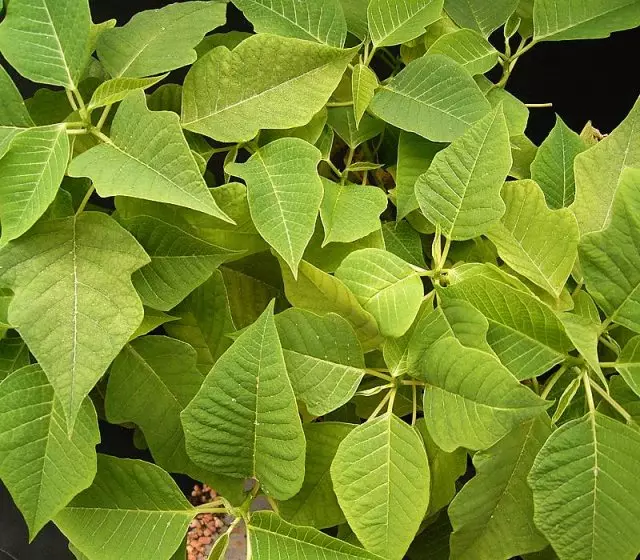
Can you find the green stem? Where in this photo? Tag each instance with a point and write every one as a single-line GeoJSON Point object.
{"type": "Point", "coordinates": [538, 105]}
{"type": "Point", "coordinates": [345, 173]}
{"type": "Point", "coordinates": [340, 103]}
{"type": "Point", "coordinates": [72, 101]}
{"type": "Point", "coordinates": [82, 109]}
{"type": "Point", "coordinates": [609, 345]}
{"type": "Point", "coordinates": [334, 168]}
{"type": "Point", "coordinates": [77, 131]}
{"type": "Point", "coordinates": [392, 399]}
{"type": "Point", "coordinates": [378, 374]}
{"type": "Point", "coordinates": [370, 57]}
{"type": "Point", "coordinates": [414, 409]}
{"type": "Point", "coordinates": [100, 135]}
{"type": "Point", "coordinates": [103, 117]}
{"type": "Point", "coordinates": [587, 390]}
{"type": "Point", "coordinates": [412, 383]}
{"type": "Point", "coordinates": [85, 199]}
{"type": "Point", "coordinates": [614, 404]}
{"type": "Point", "coordinates": [210, 509]}
{"type": "Point", "coordinates": [608, 364]}
{"type": "Point", "coordinates": [552, 381]}
{"type": "Point", "coordinates": [445, 253]}
{"type": "Point", "coordinates": [380, 406]}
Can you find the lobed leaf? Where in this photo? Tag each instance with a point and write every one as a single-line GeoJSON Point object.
{"type": "Point", "coordinates": [402, 21]}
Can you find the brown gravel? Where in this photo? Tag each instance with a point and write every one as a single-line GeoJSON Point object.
{"type": "Point", "coordinates": [206, 527]}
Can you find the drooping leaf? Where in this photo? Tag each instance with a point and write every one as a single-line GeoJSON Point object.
{"type": "Point", "coordinates": [230, 95]}
{"type": "Point", "coordinates": [42, 466]}
{"type": "Point", "coordinates": [610, 259]}
{"type": "Point", "coordinates": [323, 357]}
{"type": "Point", "coordinates": [403, 241]}
{"type": "Point", "coordinates": [47, 41]}
{"type": "Point", "coordinates": [344, 121]}
{"type": "Point", "coordinates": [628, 364]}
{"type": "Point", "coordinates": [323, 22]}
{"type": "Point", "coordinates": [598, 171]}
{"type": "Point", "coordinates": [284, 192]}
{"type": "Point", "coordinates": [386, 286]}
{"type": "Point", "coordinates": [364, 83]}
{"type": "Point", "coordinates": [244, 420]}
{"type": "Point", "coordinates": [13, 111]}
{"type": "Point", "coordinates": [401, 21]}
{"type": "Point", "coordinates": [115, 90]}
{"type": "Point", "coordinates": [468, 48]}
{"type": "Point", "coordinates": [147, 157]}
{"type": "Point", "coordinates": [585, 491]}
{"type": "Point", "coordinates": [484, 17]}
{"type": "Point", "coordinates": [116, 516]}
{"type": "Point", "coordinates": [380, 475]}
{"type": "Point", "coordinates": [316, 504]}
{"type": "Point", "coordinates": [461, 189]}
{"type": "Point", "coordinates": [471, 400]}
{"type": "Point", "coordinates": [433, 97]}
{"type": "Point", "coordinates": [30, 175]}
{"type": "Point", "coordinates": [524, 332]}
{"type": "Point", "coordinates": [552, 167]}
{"type": "Point", "coordinates": [156, 41]}
{"type": "Point", "coordinates": [350, 212]}
{"type": "Point", "coordinates": [539, 243]}
{"type": "Point", "coordinates": [584, 19]}
{"type": "Point", "coordinates": [74, 273]}
{"type": "Point", "coordinates": [492, 516]}
{"type": "Point", "coordinates": [14, 355]}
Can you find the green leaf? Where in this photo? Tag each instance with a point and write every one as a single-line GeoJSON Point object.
{"type": "Point", "coordinates": [41, 465]}
{"type": "Point", "coordinates": [316, 504]}
{"type": "Point", "coordinates": [129, 503]}
{"type": "Point", "coordinates": [433, 97]}
{"type": "Point", "coordinates": [415, 155]}
{"type": "Point", "coordinates": [585, 489]}
{"type": "Point", "coordinates": [386, 286]}
{"type": "Point", "coordinates": [284, 192]}
{"type": "Point", "coordinates": [269, 535]}
{"type": "Point", "coordinates": [344, 121]}
{"type": "Point", "coordinates": [400, 21]}
{"type": "Point", "coordinates": [523, 152]}
{"type": "Point", "coordinates": [584, 19]}
{"type": "Point", "coordinates": [47, 41]}
{"type": "Point", "coordinates": [115, 90]}
{"type": "Point", "coordinates": [244, 420]}
{"type": "Point", "coordinates": [624, 396]}
{"type": "Point", "coordinates": [13, 111]}
{"type": "Point", "coordinates": [364, 83]}
{"type": "Point", "coordinates": [460, 191]}
{"type": "Point", "coordinates": [628, 364]}
{"type": "Point", "coordinates": [524, 332]}
{"type": "Point", "coordinates": [515, 111]}
{"type": "Point", "coordinates": [319, 292]}
{"type": "Point", "coordinates": [610, 259]}
{"type": "Point", "coordinates": [179, 263]}
{"type": "Point", "coordinates": [598, 172]}
{"type": "Point", "coordinates": [74, 273]}
{"type": "Point", "coordinates": [166, 369]}
{"type": "Point", "coordinates": [404, 241]}
{"type": "Point", "coordinates": [310, 132]}
{"type": "Point", "coordinates": [147, 157]}
{"type": "Point", "coordinates": [433, 542]}
{"type": "Point", "coordinates": [355, 12]}
{"type": "Point", "coordinates": [14, 355]}
{"type": "Point", "coordinates": [323, 357]}
{"type": "Point", "coordinates": [350, 212]}
{"type": "Point", "coordinates": [381, 478]}
{"type": "Point", "coordinates": [471, 400]}
{"type": "Point", "coordinates": [539, 243]}
{"type": "Point", "coordinates": [151, 321]}
{"type": "Point", "coordinates": [492, 516]}
{"type": "Point", "coordinates": [230, 95]}
{"type": "Point", "coordinates": [468, 48]}
{"type": "Point", "coordinates": [552, 167]}
{"type": "Point", "coordinates": [30, 175]}
{"type": "Point", "coordinates": [156, 41]}
{"type": "Point", "coordinates": [482, 16]}
{"type": "Point", "coordinates": [302, 19]}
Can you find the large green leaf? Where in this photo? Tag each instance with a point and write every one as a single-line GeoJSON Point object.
{"type": "Point", "coordinates": [480, 15]}
{"type": "Point", "coordinates": [316, 504]}
{"type": "Point", "coordinates": [585, 489]}
{"type": "Point", "coordinates": [468, 48]}
{"type": "Point", "coordinates": [322, 293]}
{"type": "Point", "coordinates": [147, 157]}
{"type": "Point", "coordinates": [355, 12]}
{"type": "Point", "coordinates": [244, 420]}
{"type": "Point", "coordinates": [524, 332]}
{"type": "Point", "coordinates": [628, 364]}
{"type": "Point", "coordinates": [30, 175]}
{"type": "Point", "coordinates": [115, 90]}
{"type": "Point", "coordinates": [47, 41]}
{"type": "Point", "coordinates": [364, 83]}
{"type": "Point", "coordinates": [129, 504]}
{"type": "Point", "coordinates": [350, 212]}
{"type": "Point", "coordinates": [323, 357]}
{"type": "Point", "coordinates": [381, 478]}
{"type": "Point", "coordinates": [404, 241]}
{"type": "Point", "coordinates": [492, 516]}
{"type": "Point", "coordinates": [555, 20]}
{"type": "Point", "coordinates": [400, 21]}
{"type": "Point", "coordinates": [179, 263]}
{"type": "Point", "coordinates": [539, 243]}
{"type": "Point", "coordinates": [433, 97]}
{"type": "Point", "coordinates": [272, 537]}
{"type": "Point", "coordinates": [284, 192]}
{"type": "Point", "coordinates": [471, 400]}
{"type": "Point", "coordinates": [230, 95]}
{"type": "Point", "coordinates": [13, 111]}
{"type": "Point", "coordinates": [598, 171]}
{"type": "Point", "coordinates": [14, 355]}
{"type": "Point", "coordinates": [41, 465]}
{"type": "Point", "coordinates": [552, 168]}
{"type": "Point", "coordinates": [303, 19]}
{"type": "Point", "coordinates": [74, 303]}
{"type": "Point", "coordinates": [156, 41]}
{"type": "Point", "coordinates": [461, 189]}
{"type": "Point", "coordinates": [610, 259]}
{"type": "Point", "coordinates": [386, 286]}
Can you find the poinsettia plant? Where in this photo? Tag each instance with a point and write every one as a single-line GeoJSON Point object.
{"type": "Point", "coordinates": [329, 269]}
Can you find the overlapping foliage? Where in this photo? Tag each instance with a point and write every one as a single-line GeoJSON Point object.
{"type": "Point", "coordinates": [329, 268]}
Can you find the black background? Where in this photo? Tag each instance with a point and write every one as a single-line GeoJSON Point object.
{"type": "Point", "coordinates": [585, 80]}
